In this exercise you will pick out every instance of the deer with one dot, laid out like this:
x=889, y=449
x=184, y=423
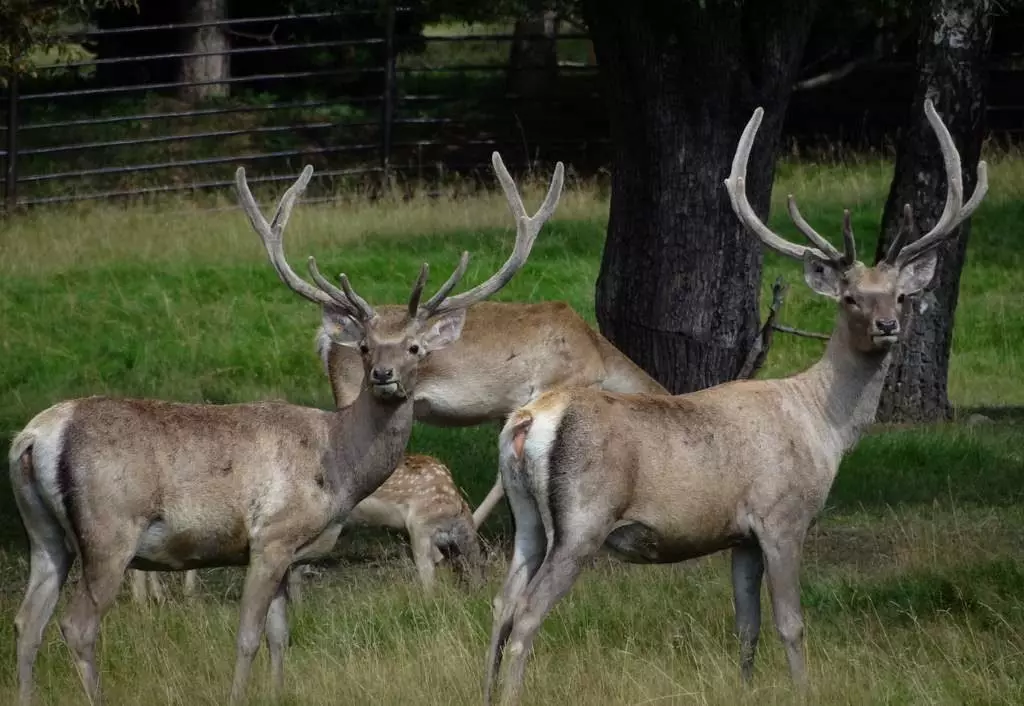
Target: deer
x=745, y=465
x=159, y=485
x=419, y=497
x=508, y=354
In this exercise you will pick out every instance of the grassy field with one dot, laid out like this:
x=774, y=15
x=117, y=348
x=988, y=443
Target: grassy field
x=914, y=577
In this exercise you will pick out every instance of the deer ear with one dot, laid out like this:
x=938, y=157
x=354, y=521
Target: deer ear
x=444, y=330
x=821, y=276
x=917, y=273
x=341, y=328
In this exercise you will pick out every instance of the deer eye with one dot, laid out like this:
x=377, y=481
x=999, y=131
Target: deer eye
x=900, y=298
x=414, y=349
x=363, y=348
x=850, y=300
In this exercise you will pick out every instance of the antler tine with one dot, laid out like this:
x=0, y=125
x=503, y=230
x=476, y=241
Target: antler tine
x=271, y=234
x=849, y=242
x=365, y=310
x=737, y=188
x=339, y=297
x=955, y=211
x=902, y=233
x=417, y=289
x=527, y=229
x=447, y=287
x=814, y=236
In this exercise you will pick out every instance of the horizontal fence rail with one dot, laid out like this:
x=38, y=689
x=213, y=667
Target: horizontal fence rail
x=365, y=95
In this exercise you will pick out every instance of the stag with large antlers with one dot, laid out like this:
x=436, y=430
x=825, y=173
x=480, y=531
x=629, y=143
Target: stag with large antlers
x=160, y=485
x=508, y=354
x=745, y=465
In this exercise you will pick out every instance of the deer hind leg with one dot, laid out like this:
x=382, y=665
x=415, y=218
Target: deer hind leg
x=267, y=569
x=782, y=559
x=551, y=583
x=103, y=570
x=49, y=562
x=527, y=557
x=747, y=572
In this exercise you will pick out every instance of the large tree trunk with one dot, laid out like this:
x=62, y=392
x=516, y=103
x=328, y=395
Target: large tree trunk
x=533, y=58
x=210, y=67
x=679, y=280
x=953, y=44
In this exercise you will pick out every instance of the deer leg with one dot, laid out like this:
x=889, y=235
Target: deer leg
x=422, y=541
x=191, y=578
x=95, y=593
x=277, y=635
x=747, y=572
x=470, y=562
x=156, y=585
x=49, y=561
x=527, y=556
x=782, y=559
x=138, y=580
x=552, y=581
x=267, y=568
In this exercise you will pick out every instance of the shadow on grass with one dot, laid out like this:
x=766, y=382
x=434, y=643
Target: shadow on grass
x=988, y=592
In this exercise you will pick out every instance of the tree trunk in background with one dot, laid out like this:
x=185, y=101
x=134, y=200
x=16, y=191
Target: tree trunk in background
x=205, y=39
x=533, y=59
x=679, y=280
x=953, y=45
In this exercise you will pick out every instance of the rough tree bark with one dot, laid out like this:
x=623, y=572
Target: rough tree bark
x=211, y=67
x=679, y=279
x=953, y=44
x=533, y=58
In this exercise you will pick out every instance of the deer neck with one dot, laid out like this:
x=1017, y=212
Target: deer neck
x=368, y=439
x=843, y=389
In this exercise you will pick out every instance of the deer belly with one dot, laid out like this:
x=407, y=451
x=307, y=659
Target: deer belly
x=372, y=512
x=638, y=543
x=166, y=545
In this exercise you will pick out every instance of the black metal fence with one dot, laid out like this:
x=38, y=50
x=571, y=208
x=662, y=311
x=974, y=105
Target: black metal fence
x=397, y=110
x=370, y=97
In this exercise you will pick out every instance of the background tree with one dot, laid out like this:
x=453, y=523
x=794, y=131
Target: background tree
x=210, y=66
x=28, y=26
x=679, y=279
x=953, y=45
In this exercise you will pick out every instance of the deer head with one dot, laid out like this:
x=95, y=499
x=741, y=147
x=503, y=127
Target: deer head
x=871, y=299
x=393, y=342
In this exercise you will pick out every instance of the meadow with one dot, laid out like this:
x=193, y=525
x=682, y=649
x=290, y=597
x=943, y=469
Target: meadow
x=913, y=582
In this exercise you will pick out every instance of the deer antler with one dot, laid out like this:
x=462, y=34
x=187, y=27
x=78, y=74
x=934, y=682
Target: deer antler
x=272, y=233
x=955, y=211
x=527, y=228
x=898, y=255
x=737, y=188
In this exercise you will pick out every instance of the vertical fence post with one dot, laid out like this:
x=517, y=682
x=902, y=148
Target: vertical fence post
x=388, y=103
x=11, y=146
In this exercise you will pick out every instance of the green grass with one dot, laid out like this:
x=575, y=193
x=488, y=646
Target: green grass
x=913, y=580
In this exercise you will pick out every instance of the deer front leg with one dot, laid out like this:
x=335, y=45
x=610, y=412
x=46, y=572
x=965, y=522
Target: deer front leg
x=422, y=542
x=267, y=569
x=747, y=572
x=782, y=559
x=191, y=579
x=277, y=635
x=138, y=586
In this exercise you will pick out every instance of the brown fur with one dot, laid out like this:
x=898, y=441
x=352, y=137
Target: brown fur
x=746, y=464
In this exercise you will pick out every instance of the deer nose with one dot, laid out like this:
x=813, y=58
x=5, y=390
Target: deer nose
x=383, y=374
x=887, y=326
